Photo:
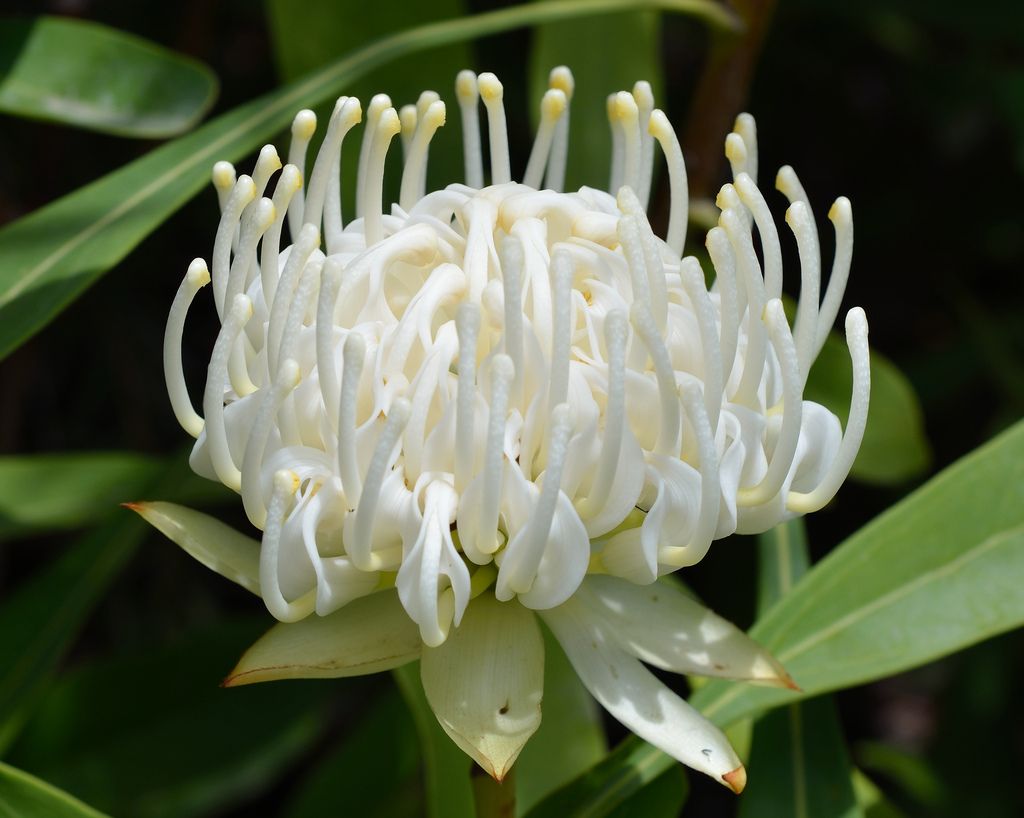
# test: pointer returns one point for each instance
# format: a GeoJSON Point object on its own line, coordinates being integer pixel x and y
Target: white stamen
{"type": "Point", "coordinates": [407, 116]}
{"type": "Point", "coordinates": [334, 224]}
{"type": "Point", "coordinates": [388, 127]}
{"type": "Point", "coordinates": [857, 340]}
{"type": "Point", "coordinates": [552, 107]}
{"type": "Point", "coordinates": [618, 145]}
{"type": "Point", "coordinates": [286, 483]}
{"type": "Point", "coordinates": [492, 91]}
{"type": "Point", "coordinates": [805, 331]}
{"type": "Point", "coordinates": [668, 435]}
{"type": "Point", "coordinates": [503, 374]}
{"type": "Point", "coordinates": [353, 355]}
{"type": "Point", "coordinates": [243, 192]}
{"type": "Point", "coordinates": [772, 250]}
{"type": "Point", "coordinates": [467, 325]}
{"type": "Point", "coordinates": [512, 281]}
{"type": "Point", "coordinates": [257, 219]}
{"type": "Point", "coordinates": [750, 269]}
{"type": "Point", "coordinates": [307, 242]}
{"type": "Point", "coordinates": [710, 487]}
{"type": "Point", "coordinates": [560, 79]}
{"type": "Point", "coordinates": [792, 409]}
{"type": "Point", "coordinates": [644, 97]}
{"type": "Point", "coordinates": [724, 262]}
{"type": "Point", "coordinates": [561, 345]}
{"type": "Point", "coordinates": [747, 130]}
{"type": "Point", "coordinates": [223, 181]}
{"type": "Point", "coordinates": [679, 207]}
{"type": "Point", "coordinates": [347, 112]}
{"type": "Point", "coordinates": [195, 279]}
{"type": "Point", "coordinates": [309, 279]}
{"type": "Point", "coordinates": [736, 153]}
{"type": "Point", "coordinates": [841, 216]}
{"type": "Point", "coordinates": [360, 549]}
{"type": "Point", "coordinates": [616, 333]}
{"type": "Point", "coordinates": [468, 95]}
{"type": "Point", "coordinates": [522, 572]}
{"type": "Point", "coordinates": [414, 175]}
{"type": "Point", "coordinates": [267, 164]}
{"type": "Point", "coordinates": [657, 287]}
{"type": "Point", "coordinates": [213, 396]}
{"type": "Point", "coordinates": [303, 128]}
{"type": "Point", "coordinates": [693, 283]}
{"type": "Point", "coordinates": [288, 377]}
{"type": "Point", "coordinates": [288, 184]}
{"type": "Point", "coordinates": [628, 117]}
{"type": "Point", "coordinates": [378, 105]}
{"type": "Point", "coordinates": [330, 283]}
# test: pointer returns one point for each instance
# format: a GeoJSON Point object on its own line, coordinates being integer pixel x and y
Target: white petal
{"type": "Point", "coordinates": [216, 545]}
{"type": "Point", "coordinates": [485, 683]}
{"type": "Point", "coordinates": [631, 693]}
{"type": "Point", "coordinates": [662, 626]}
{"type": "Point", "coordinates": [366, 636]}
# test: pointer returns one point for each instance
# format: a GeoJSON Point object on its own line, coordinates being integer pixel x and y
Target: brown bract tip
{"type": "Point", "coordinates": [736, 780]}
{"type": "Point", "coordinates": [790, 684]}
{"type": "Point", "coordinates": [135, 506]}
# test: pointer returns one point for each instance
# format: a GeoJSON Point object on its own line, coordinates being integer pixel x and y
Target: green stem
{"type": "Point", "coordinates": [494, 799]}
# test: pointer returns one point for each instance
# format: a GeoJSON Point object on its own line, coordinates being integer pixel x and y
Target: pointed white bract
{"type": "Point", "coordinates": [493, 382]}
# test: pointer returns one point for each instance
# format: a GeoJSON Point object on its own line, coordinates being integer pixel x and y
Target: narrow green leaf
{"type": "Point", "coordinates": [937, 572]}
{"type": "Point", "coordinates": [570, 739]}
{"type": "Point", "coordinates": [40, 619]}
{"type": "Point", "coordinates": [624, 772]}
{"type": "Point", "coordinates": [88, 75]}
{"type": "Point", "coordinates": [216, 545]}
{"type": "Point", "coordinates": [664, 797]}
{"type": "Point", "coordinates": [150, 733]}
{"type": "Point", "coordinates": [352, 780]}
{"type": "Point", "coordinates": [24, 796]}
{"type": "Point", "coordinates": [799, 765]}
{"type": "Point", "coordinates": [446, 768]}
{"type": "Point", "coordinates": [606, 54]}
{"type": "Point", "coordinates": [895, 448]}
{"type": "Point", "coordinates": [50, 256]}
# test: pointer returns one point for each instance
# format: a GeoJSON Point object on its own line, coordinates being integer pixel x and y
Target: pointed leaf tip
{"type": "Point", "coordinates": [486, 682]}
{"type": "Point", "coordinates": [736, 780]}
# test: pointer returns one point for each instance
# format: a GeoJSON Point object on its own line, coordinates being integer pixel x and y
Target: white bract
{"type": "Point", "coordinates": [519, 387]}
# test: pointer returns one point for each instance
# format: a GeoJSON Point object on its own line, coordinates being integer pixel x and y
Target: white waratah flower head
{"type": "Point", "coordinates": [514, 386]}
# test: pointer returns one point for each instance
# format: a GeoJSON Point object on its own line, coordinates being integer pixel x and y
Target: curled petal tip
{"type": "Point", "coordinates": [736, 780]}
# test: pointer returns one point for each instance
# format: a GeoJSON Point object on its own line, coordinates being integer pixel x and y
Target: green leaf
{"type": "Point", "coordinates": [48, 257]}
{"type": "Point", "coordinates": [24, 796]}
{"type": "Point", "coordinates": [150, 733]}
{"type": "Point", "coordinates": [664, 797]}
{"type": "Point", "coordinates": [606, 54]}
{"type": "Point", "coordinates": [216, 545]}
{"type": "Point", "coordinates": [40, 619]}
{"type": "Point", "coordinates": [59, 491]}
{"type": "Point", "coordinates": [895, 448]}
{"type": "Point", "coordinates": [937, 572]}
{"type": "Point", "coordinates": [84, 74]}
{"type": "Point", "coordinates": [352, 780]}
{"type": "Point", "coordinates": [570, 739]}
{"type": "Point", "coordinates": [446, 767]}
{"type": "Point", "coordinates": [627, 770]}
{"type": "Point", "coordinates": [799, 765]}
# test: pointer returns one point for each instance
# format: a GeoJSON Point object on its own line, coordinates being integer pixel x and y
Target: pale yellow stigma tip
{"type": "Point", "coordinates": [553, 104]}
{"type": "Point", "coordinates": [643, 94]}
{"type": "Point", "coordinates": [408, 117]}
{"type": "Point", "coordinates": [304, 124]}
{"type": "Point", "coordinates": [390, 123]}
{"type": "Point", "coordinates": [491, 88]}
{"type": "Point", "coordinates": [561, 78]}
{"type": "Point", "coordinates": [223, 175]}
{"type": "Point", "coordinates": [735, 148]}
{"type": "Point", "coordinates": [436, 114]}
{"type": "Point", "coordinates": [466, 88]}
{"type": "Point", "coordinates": [658, 125]}
{"type": "Point", "coordinates": [841, 210]}
{"type": "Point", "coordinates": [625, 107]}
{"type": "Point", "coordinates": [198, 273]}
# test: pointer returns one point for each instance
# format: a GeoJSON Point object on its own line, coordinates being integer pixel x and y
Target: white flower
{"type": "Point", "coordinates": [518, 387]}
